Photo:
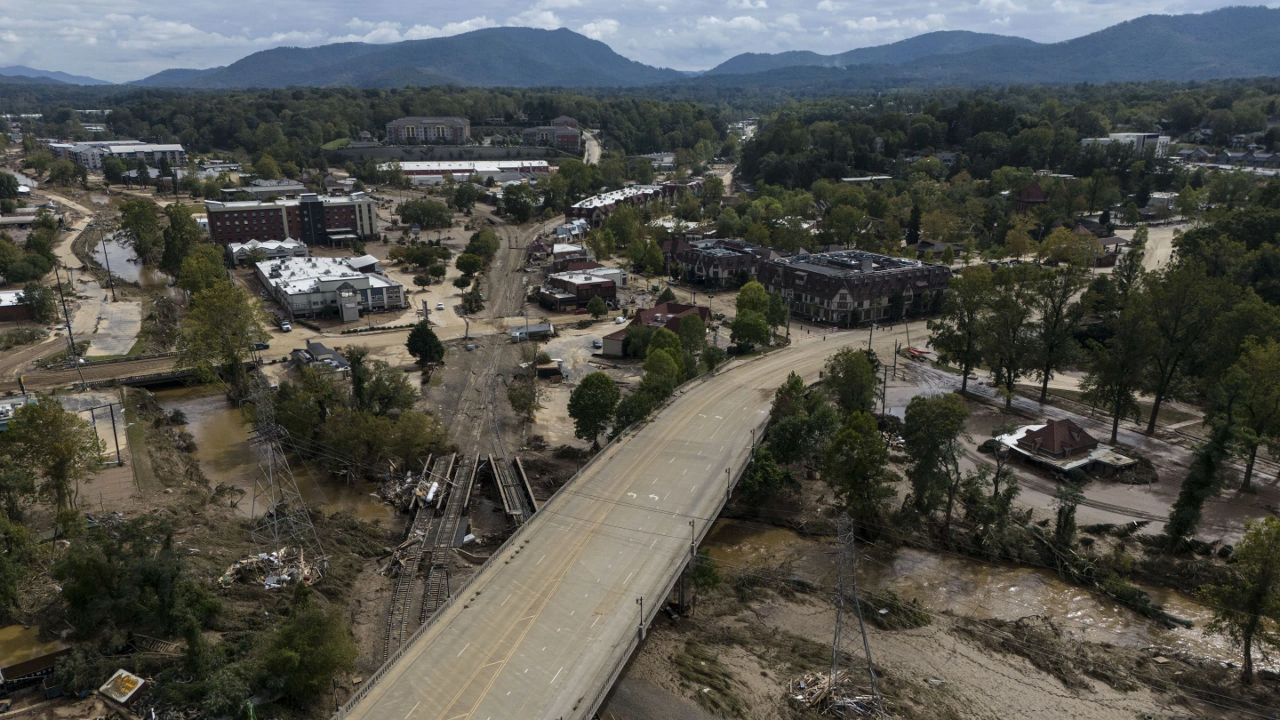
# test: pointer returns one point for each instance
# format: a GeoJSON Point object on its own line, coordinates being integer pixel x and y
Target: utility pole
{"type": "Point", "coordinates": [871, 334]}
{"type": "Point", "coordinates": [106, 258]}
{"type": "Point", "coordinates": [848, 574]}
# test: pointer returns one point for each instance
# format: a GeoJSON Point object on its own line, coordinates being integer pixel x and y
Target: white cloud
{"type": "Point", "coordinates": [543, 19]}
{"type": "Point", "coordinates": [1001, 7]}
{"type": "Point", "coordinates": [600, 29]}
{"type": "Point", "coordinates": [789, 21]}
{"type": "Point", "coordinates": [557, 4]}
{"type": "Point", "coordinates": [387, 31]}
{"type": "Point", "coordinates": [739, 22]}
{"type": "Point", "coordinates": [830, 6]}
{"type": "Point", "coordinates": [874, 22]}
{"type": "Point", "coordinates": [747, 4]}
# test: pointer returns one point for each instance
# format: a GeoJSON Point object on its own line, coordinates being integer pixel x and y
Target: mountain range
{"type": "Point", "coordinates": [1231, 42]}
{"type": "Point", "coordinates": [15, 73]}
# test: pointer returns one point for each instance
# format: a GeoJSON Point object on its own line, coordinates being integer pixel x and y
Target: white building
{"type": "Point", "coordinates": [269, 249]}
{"type": "Point", "coordinates": [1142, 143]}
{"type": "Point", "coordinates": [347, 287]}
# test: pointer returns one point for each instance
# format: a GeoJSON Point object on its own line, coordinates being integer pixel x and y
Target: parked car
{"type": "Point", "coordinates": [439, 306]}
{"type": "Point", "coordinates": [260, 346]}
{"type": "Point", "coordinates": [597, 344]}
{"type": "Point", "coordinates": [286, 326]}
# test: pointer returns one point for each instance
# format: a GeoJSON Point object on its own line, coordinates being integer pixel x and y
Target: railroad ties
{"type": "Point", "coordinates": [455, 502]}
{"type": "Point", "coordinates": [513, 487]}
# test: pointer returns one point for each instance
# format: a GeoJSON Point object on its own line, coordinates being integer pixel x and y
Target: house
{"type": "Point", "coordinates": [311, 218]}
{"type": "Point", "coordinates": [321, 356]}
{"type": "Point", "coordinates": [265, 190]}
{"type": "Point", "coordinates": [851, 287]}
{"type": "Point", "coordinates": [721, 263]}
{"type": "Point", "coordinates": [13, 306]}
{"type": "Point", "coordinates": [568, 291]}
{"type": "Point", "coordinates": [24, 657]}
{"type": "Point", "coordinates": [559, 137]}
{"type": "Point", "coordinates": [663, 315]}
{"type": "Point", "coordinates": [564, 121]}
{"type": "Point", "coordinates": [1064, 446]}
{"type": "Point", "coordinates": [1057, 439]}
{"type": "Point", "coordinates": [314, 286]}
{"type": "Point", "coordinates": [419, 130]}
{"type": "Point", "coordinates": [258, 250]}
{"type": "Point", "coordinates": [1030, 197]}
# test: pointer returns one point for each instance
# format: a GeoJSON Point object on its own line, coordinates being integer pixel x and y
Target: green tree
{"type": "Point", "coordinates": [852, 379]}
{"type": "Point", "coordinates": [60, 447]}
{"type": "Point", "coordinates": [113, 170]}
{"type": "Point", "coordinates": [662, 373]}
{"type": "Point", "coordinates": [749, 329]}
{"type": "Point", "coordinates": [712, 358]}
{"type": "Point", "coordinates": [1057, 317]}
{"type": "Point", "coordinates": [267, 168]}
{"type": "Point", "coordinates": [857, 468]}
{"type": "Point", "coordinates": [218, 332]}
{"type": "Point", "coordinates": [957, 332]}
{"type": "Point", "coordinates": [464, 196]}
{"type": "Point", "coordinates": [1115, 368]}
{"type": "Point", "coordinates": [517, 202]}
{"type": "Point", "coordinates": [138, 218]}
{"type": "Point", "coordinates": [423, 344]}
{"type": "Point", "coordinates": [16, 551]}
{"type": "Point", "coordinates": [306, 650]}
{"type": "Point", "coordinates": [376, 387]}
{"type": "Point", "coordinates": [932, 434]}
{"type": "Point", "coordinates": [522, 394]}
{"type": "Point", "coordinates": [592, 405]}
{"type": "Point", "coordinates": [469, 264]}
{"type": "Point", "coordinates": [1202, 482]}
{"type": "Point", "coordinates": [753, 297]}
{"type": "Point", "coordinates": [427, 214]}
{"type": "Point", "coordinates": [8, 186]}
{"type": "Point", "coordinates": [1255, 381]}
{"type": "Point", "coordinates": [1005, 338]}
{"type": "Point", "coordinates": [202, 268]}
{"type": "Point", "coordinates": [44, 309]}
{"type": "Point", "coordinates": [764, 478]}
{"type": "Point", "coordinates": [692, 332]}
{"type": "Point", "coordinates": [179, 236]}
{"type": "Point", "coordinates": [597, 308]}
{"type": "Point", "coordinates": [1246, 604]}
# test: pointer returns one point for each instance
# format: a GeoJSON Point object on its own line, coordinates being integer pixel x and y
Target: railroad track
{"type": "Point", "coordinates": [436, 592]}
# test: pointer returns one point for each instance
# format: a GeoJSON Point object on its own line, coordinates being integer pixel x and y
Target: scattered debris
{"type": "Point", "coordinates": [839, 698]}
{"type": "Point", "coordinates": [284, 567]}
{"type": "Point", "coordinates": [122, 686]}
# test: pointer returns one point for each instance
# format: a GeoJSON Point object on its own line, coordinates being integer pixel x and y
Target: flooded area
{"type": "Point", "coordinates": [226, 456]}
{"type": "Point", "coordinates": [961, 586]}
{"type": "Point", "coordinates": [118, 254]}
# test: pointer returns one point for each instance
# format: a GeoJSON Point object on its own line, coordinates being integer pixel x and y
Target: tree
{"type": "Point", "coordinates": [306, 650]}
{"type": "Point", "coordinates": [857, 468]}
{"type": "Point", "coordinates": [267, 168]}
{"type": "Point", "coordinates": [1066, 500]}
{"type": "Point", "coordinates": [1005, 337]}
{"type": "Point", "coordinates": [376, 387]}
{"type": "Point", "coordinates": [202, 268]}
{"type": "Point", "coordinates": [749, 329]}
{"type": "Point", "coordinates": [423, 344]}
{"type": "Point", "coordinates": [1058, 315]}
{"type": "Point", "coordinates": [753, 297]}
{"type": "Point", "coordinates": [60, 447]}
{"type": "Point", "coordinates": [1203, 480]}
{"type": "Point", "coordinates": [219, 331]}
{"type": "Point", "coordinates": [764, 478]}
{"type": "Point", "coordinates": [1246, 604]}
{"type": "Point", "coordinates": [662, 373]}
{"type": "Point", "coordinates": [522, 394]}
{"type": "Point", "coordinates": [1115, 368]}
{"type": "Point", "coordinates": [179, 237]}
{"type": "Point", "coordinates": [424, 213]}
{"type": "Point", "coordinates": [464, 196]}
{"type": "Point", "coordinates": [592, 405]}
{"type": "Point", "coordinates": [712, 358]}
{"type": "Point", "coordinates": [39, 299]}
{"type": "Point", "coordinates": [932, 432]}
{"type": "Point", "coordinates": [1255, 381]}
{"type": "Point", "coordinates": [9, 186]}
{"type": "Point", "coordinates": [597, 308]}
{"type": "Point", "coordinates": [633, 408]}
{"type": "Point", "coordinates": [692, 332]}
{"type": "Point", "coordinates": [469, 264]}
{"type": "Point", "coordinates": [1183, 304]}
{"type": "Point", "coordinates": [138, 218]}
{"type": "Point", "coordinates": [517, 202]}
{"type": "Point", "coordinates": [958, 330]}
{"type": "Point", "coordinates": [852, 379]}
{"type": "Point", "coordinates": [16, 550]}
{"type": "Point", "coordinates": [113, 169]}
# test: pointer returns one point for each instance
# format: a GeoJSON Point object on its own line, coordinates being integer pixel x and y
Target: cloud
{"type": "Point", "coordinates": [830, 6]}
{"type": "Point", "coordinates": [747, 4]}
{"type": "Point", "coordinates": [600, 29]}
{"type": "Point", "coordinates": [535, 18]}
{"type": "Point", "coordinates": [874, 22]}
{"type": "Point", "coordinates": [1001, 7]}
{"type": "Point", "coordinates": [386, 31]}
{"type": "Point", "coordinates": [739, 22]}
{"type": "Point", "coordinates": [788, 21]}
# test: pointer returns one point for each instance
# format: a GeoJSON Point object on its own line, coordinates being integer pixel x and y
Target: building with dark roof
{"type": "Point", "coordinates": [851, 287]}
{"type": "Point", "coordinates": [663, 315]}
{"type": "Point", "coordinates": [313, 219]}
{"type": "Point", "coordinates": [727, 262]}
{"type": "Point", "coordinates": [419, 130]}
{"type": "Point", "coordinates": [1058, 439]}
{"type": "Point", "coordinates": [559, 137]}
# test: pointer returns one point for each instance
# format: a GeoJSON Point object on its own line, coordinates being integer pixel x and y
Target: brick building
{"type": "Point", "coordinates": [418, 130]}
{"type": "Point", "coordinates": [851, 287]}
{"type": "Point", "coordinates": [560, 137]}
{"type": "Point", "coordinates": [311, 218]}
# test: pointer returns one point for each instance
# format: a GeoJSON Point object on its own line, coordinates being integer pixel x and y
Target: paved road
{"type": "Point", "coordinates": [590, 148]}
{"type": "Point", "coordinates": [546, 624]}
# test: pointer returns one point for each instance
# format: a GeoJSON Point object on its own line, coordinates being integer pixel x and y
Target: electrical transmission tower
{"type": "Point", "coordinates": [280, 516]}
{"type": "Point", "coordinates": [847, 591]}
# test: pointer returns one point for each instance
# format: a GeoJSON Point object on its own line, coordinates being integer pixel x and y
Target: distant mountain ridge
{"type": "Point", "coordinates": [1226, 43]}
{"type": "Point", "coordinates": [514, 57]}
{"type": "Point", "coordinates": [942, 42]}
{"type": "Point", "coordinates": [55, 75]}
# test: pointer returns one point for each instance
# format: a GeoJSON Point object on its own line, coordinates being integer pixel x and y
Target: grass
{"type": "Point", "coordinates": [712, 684]}
{"type": "Point", "coordinates": [21, 336]}
{"type": "Point", "coordinates": [337, 144]}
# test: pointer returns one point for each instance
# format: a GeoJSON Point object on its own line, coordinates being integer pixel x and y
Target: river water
{"type": "Point", "coordinates": [951, 583]}
{"type": "Point", "coordinates": [226, 456]}
{"type": "Point", "coordinates": [119, 255]}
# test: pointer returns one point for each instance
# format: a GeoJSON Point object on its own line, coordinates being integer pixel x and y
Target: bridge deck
{"type": "Point", "coordinates": [543, 630]}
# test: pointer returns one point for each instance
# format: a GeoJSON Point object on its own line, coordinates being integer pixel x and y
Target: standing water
{"type": "Point", "coordinates": [950, 583]}
{"type": "Point", "coordinates": [227, 457]}
{"type": "Point", "coordinates": [117, 253]}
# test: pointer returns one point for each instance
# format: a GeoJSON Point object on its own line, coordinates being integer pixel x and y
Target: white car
{"type": "Point", "coordinates": [619, 321]}
{"type": "Point", "coordinates": [439, 306]}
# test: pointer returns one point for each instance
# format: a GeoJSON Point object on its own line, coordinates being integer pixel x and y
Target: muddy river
{"type": "Point", "coordinates": [226, 456]}
{"type": "Point", "coordinates": [956, 584]}
{"type": "Point", "coordinates": [117, 254]}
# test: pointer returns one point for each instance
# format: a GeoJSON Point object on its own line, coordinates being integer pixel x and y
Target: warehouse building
{"type": "Point", "coordinates": [345, 287]}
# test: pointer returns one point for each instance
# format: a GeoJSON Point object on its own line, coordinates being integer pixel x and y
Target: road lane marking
{"type": "Point", "coordinates": [553, 679]}
{"type": "Point", "coordinates": [415, 707]}
{"type": "Point", "coordinates": [464, 649]}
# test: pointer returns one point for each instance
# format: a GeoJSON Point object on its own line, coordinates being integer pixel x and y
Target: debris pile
{"type": "Point", "coordinates": [284, 567]}
{"type": "Point", "coordinates": [407, 552]}
{"type": "Point", "coordinates": [410, 491]}
{"type": "Point", "coordinates": [839, 698]}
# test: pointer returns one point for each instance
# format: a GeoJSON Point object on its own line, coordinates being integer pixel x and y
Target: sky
{"type": "Point", "coordinates": [122, 40]}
